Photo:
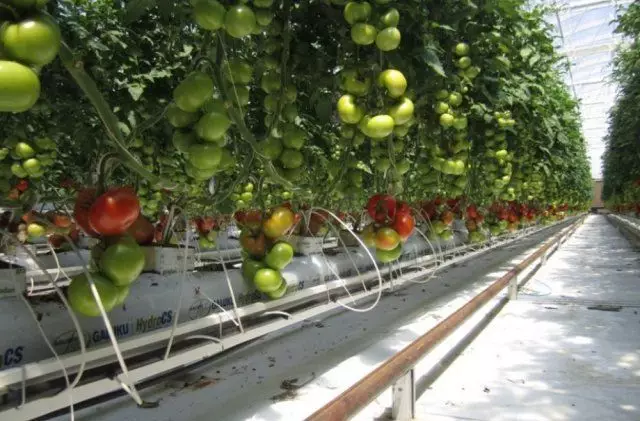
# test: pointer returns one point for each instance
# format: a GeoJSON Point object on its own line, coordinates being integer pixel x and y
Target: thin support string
{"type": "Point", "coordinates": [212, 301]}
{"type": "Point", "coordinates": [233, 295]}
{"type": "Point", "coordinates": [183, 275]}
{"type": "Point", "coordinates": [277, 313]}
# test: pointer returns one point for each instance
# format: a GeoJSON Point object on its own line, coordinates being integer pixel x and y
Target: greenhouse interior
{"type": "Point", "coordinates": [342, 210]}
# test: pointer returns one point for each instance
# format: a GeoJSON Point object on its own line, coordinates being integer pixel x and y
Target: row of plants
{"type": "Point", "coordinates": [153, 118]}
{"type": "Point", "coordinates": [621, 189]}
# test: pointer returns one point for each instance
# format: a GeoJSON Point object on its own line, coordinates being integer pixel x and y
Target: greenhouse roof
{"type": "Point", "coordinates": [585, 31]}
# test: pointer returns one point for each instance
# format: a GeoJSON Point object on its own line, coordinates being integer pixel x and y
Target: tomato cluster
{"type": "Point", "coordinates": [29, 42]}
{"type": "Point", "coordinates": [266, 252]}
{"type": "Point", "coordinates": [392, 225]}
{"type": "Point", "coordinates": [114, 217]}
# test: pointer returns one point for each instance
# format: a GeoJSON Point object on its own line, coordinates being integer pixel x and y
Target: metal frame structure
{"type": "Point", "coordinates": [586, 36]}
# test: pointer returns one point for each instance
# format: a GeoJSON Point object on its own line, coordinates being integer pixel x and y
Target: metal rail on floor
{"type": "Point", "coordinates": [398, 372]}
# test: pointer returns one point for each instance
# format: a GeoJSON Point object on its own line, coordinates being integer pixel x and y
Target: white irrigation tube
{"type": "Point", "coordinates": [375, 265]}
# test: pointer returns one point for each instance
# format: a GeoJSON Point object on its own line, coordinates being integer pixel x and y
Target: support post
{"type": "Point", "coordinates": [403, 398]}
{"type": "Point", "coordinates": [513, 288]}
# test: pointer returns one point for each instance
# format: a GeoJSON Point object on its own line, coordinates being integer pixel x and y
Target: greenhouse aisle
{"type": "Point", "coordinates": [287, 375]}
{"type": "Point", "coordinates": [567, 349]}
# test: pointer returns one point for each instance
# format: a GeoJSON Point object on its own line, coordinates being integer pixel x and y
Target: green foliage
{"type": "Point", "coordinates": [622, 155]}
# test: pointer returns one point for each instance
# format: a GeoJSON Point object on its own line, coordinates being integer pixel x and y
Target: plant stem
{"type": "Point", "coordinates": [109, 119]}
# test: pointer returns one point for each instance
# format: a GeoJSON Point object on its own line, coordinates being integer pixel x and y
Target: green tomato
{"type": "Point", "coordinates": [442, 107]}
{"type": "Point", "coordinates": [377, 127]}
{"type": "Point", "coordinates": [122, 262]}
{"type": "Point", "coordinates": [240, 21]}
{"type": "Point", "coordinates": [388, 256]}
{"type": "Point", "coordinates": [209, 14]}
{"type": "Point", "coordinates": [357, 87]}
{"type": "Point", "coordinates": [294, 138]}
{"type": "Point", "coordinates": [193, 92]}
{"type": "Point", "coordinates": [348, 110]}
{"type": "Point", "coordinates": [446, 120]}
{"type": "Point", "coordinates": [24, 150]}
{"type": "Point", "coordinates": [442, 94]}
{"type": "Point", "coordinates": [455, 99]}
{"type": "Point", "coordinates": [472, 72]}
{"type": "Point", "coordinates": [271, 148]}
{"type": "Point", "coordinates": [238, 71]}
{"type": "Point", "coordinates": [357, 12]}
{"type": "Point", "coordinates": [212, 127]}
{"type": "Point", "coordinates": [394, 81]}
{"type": "Point", "coordinates": [402, 112]}
{"type": "Point", "coordinates": [279, 293]}
{"type": "Point", "coordinates": [291, 158]}
{"type": "Point", "coordinates": [34, 41]}
{"type": "Point", "coordinates": [178, 118]}
{"type": "Point", "coordinates": [267, 280]}
{"type": "Point", "coordinates": [182, 140]}
{"type": "Point", "coordinates": [18, 171]}
{"type": "Point", "coordinates": [19, 87]}
{"type": "Point", "coordinates": [205, 156]}
{"type": "Point", "coordinates": [32, 166]}
{"type": "Point", "coordinates": [462, 49]}
{"type": "Point", "coordinates": [250, 267]}
{"type": "Point", "coordinates": [280, 255]}
{"type": "Point", "coordinates": [363, 33]}
{"type": "Point", "coordinates": [81, 298]}
{"type": "Point", "coordinates": [464, 62]}
{"type": "Point", "coordinates": [388, 39]}
{"type": "Point", "coordinates": [391, 18]}
{"type": "Point", "coordinates": [460, 123]}
{"type": "Point", "coordinates": [271, 82]}
{"type": "Point", "coordinates": [264, 17]}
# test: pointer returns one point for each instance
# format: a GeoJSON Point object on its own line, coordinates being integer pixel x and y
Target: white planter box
{"type": "Point", "coordinates": [310, 245]}
{"type": "Point", "coordinates": [168, 259]}
{"type": "Point", "coordinates": [348, 239]}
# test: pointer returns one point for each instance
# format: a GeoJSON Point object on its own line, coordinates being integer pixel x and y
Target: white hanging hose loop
{"type": "Point", "coordinates": [277, 313]}
{"type": "Point", "coordinates": [206, 338]}
{"type": "Point", "coordinates": [375, 265]}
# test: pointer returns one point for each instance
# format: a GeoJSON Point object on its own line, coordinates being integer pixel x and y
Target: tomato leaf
{"type": "Point", "coordinates": [431, 59]}
{"type": "Point", "coordinates": [137, 8]}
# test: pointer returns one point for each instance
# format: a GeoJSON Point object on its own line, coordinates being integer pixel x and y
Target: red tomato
{"type": "Point", "coordinates": [14, 194]}
{"type": "Point", "coordinates": [114, 211]}
{"type": "Point", "coordinates": [447, 217]}
{"type": "Point", "coordinates": [387, 239]}
{"type": "Point", "coordinates": [382, 208]}
{"type": "Point", "coordinates": [472, 212]}
{"type": "Point", "coordinates": [404, 224]}
{"type": "Point", "coordinates": [402, 207]}
{"type": "Point", "coordinates": [142, 230]}
{"type": "Point", "coordinates": [84, 200]}
{"type": "Point", "coordinates": [22, 185]}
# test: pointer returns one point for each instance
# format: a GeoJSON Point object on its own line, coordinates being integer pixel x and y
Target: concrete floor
{"type": "Point", "coordinates": [556, 353]}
